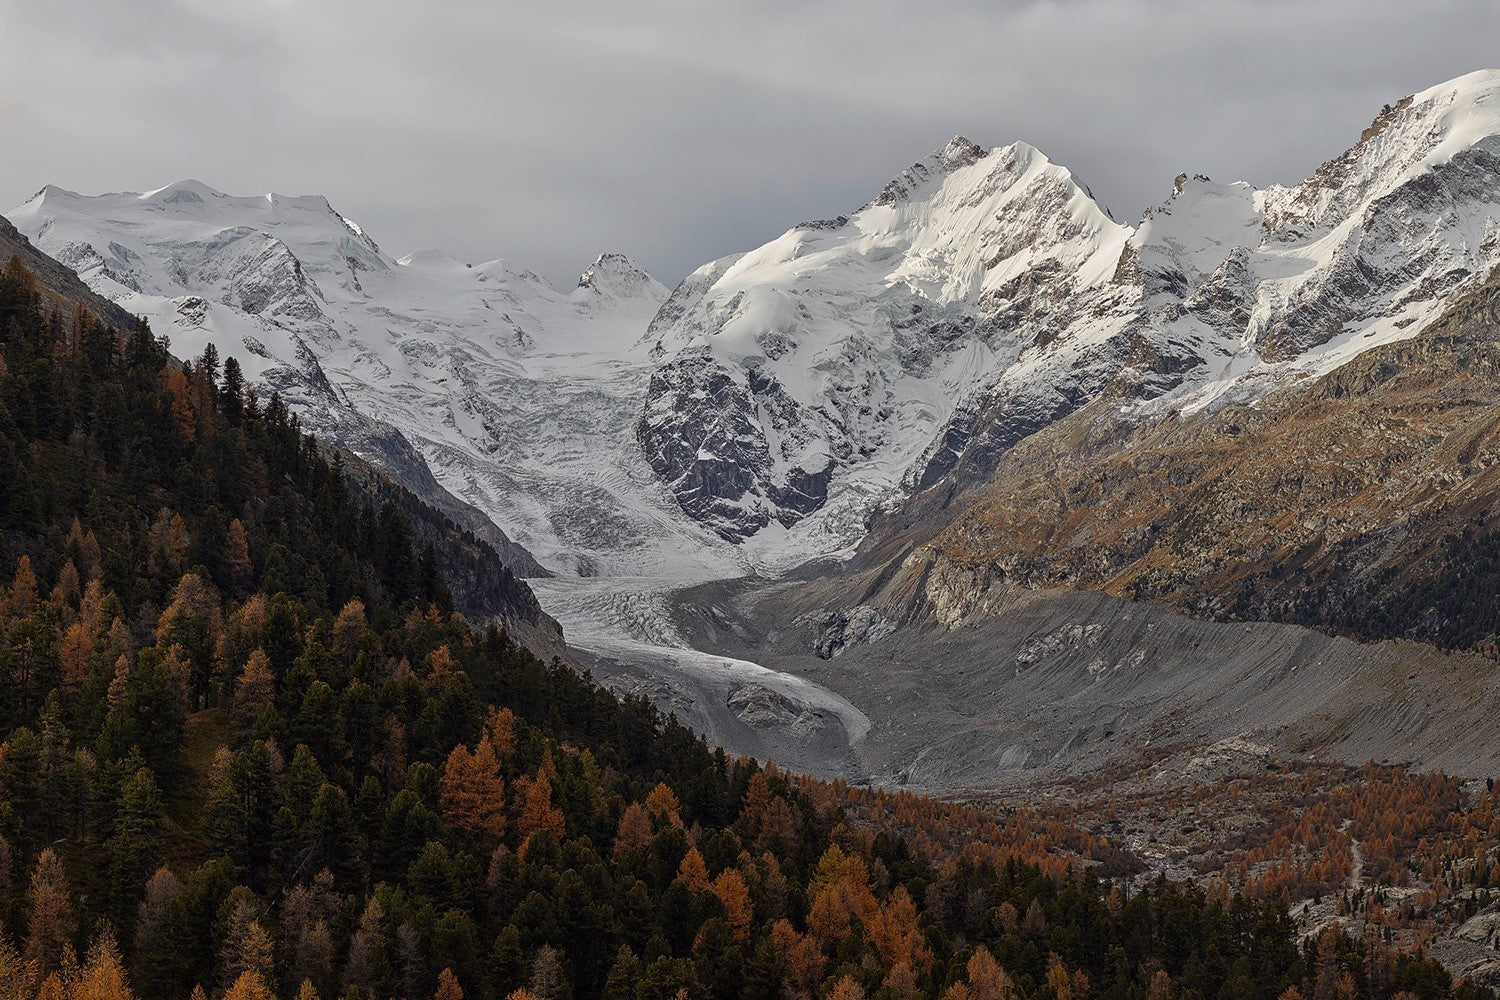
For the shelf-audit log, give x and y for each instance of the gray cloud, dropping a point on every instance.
(680, 130)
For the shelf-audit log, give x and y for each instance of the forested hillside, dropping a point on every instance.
(250, 750)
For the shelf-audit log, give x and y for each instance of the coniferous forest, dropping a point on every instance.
(251, 750)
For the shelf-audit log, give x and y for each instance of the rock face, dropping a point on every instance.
(855, 626)
(700, 434)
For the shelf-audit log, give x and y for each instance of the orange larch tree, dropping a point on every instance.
(473, 794)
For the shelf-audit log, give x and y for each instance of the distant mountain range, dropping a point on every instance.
(786, 397)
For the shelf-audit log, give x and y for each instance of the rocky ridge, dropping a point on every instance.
(984, 295)
(1362, 502)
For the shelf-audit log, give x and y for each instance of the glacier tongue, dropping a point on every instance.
(627, 624)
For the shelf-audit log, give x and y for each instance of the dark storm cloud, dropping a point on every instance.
(680, 130)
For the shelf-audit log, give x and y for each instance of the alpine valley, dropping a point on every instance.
(994, 599)
(974, 457)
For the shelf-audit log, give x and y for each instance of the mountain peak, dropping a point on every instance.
(960, 152)
(1473, 85)
(184, 192)
(957, 153)
(431, 258)
(49, 191)
(1460, 114)
(1425, 131)
(1005, 165)
(616, 275)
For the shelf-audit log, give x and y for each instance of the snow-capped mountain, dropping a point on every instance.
(1295, 280)
(776, 399)
(984, 294)
(501, 385)
(813, 373)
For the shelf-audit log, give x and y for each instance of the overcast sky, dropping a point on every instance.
(680, 130)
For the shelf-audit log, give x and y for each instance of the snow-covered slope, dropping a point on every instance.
(1367, 250)
(984, 294)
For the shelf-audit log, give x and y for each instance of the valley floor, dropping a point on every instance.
(1081, 710)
